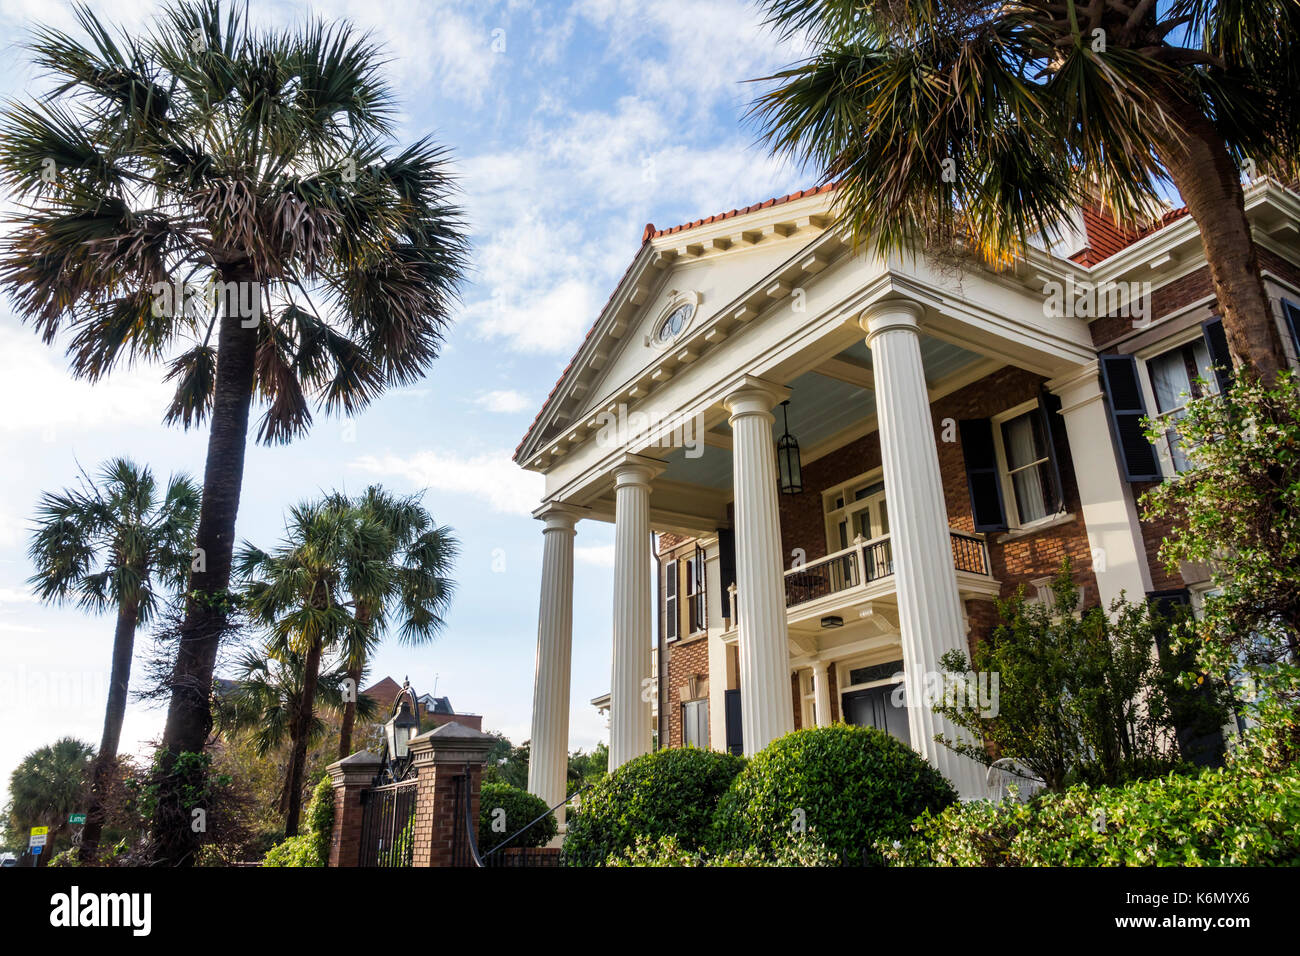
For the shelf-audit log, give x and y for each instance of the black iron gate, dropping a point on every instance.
(388, 824)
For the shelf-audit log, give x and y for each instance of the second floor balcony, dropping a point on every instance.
(863, 573)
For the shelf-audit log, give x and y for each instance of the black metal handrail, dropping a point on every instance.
(480, 860)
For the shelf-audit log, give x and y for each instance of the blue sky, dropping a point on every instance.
(573, 125)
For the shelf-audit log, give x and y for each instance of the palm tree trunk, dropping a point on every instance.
(189, 716)
(355, 670)
(1210, 183)
(128, 615)
(302, 728)
(349, 713)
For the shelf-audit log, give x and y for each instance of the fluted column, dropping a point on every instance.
(822, 692)
(629, 706)
(929, 606)
(766, 710)
(548, 763)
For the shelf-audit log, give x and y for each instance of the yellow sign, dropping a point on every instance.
(40, 831)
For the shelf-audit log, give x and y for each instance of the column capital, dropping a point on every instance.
(631, 470)
(891, 314)
(1077, 387)
(752, 395)
(560, 515)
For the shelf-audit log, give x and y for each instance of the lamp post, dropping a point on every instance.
(398, 732)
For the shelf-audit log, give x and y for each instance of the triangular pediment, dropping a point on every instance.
(699, 278)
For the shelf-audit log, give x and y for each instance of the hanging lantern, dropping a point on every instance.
(787, 458)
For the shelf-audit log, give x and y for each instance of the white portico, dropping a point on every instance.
(664, 422)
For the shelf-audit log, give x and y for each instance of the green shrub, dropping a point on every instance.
(665, 793)
(520, 806)
(297, 850)
(853, 786)
(320, 818)
(312, 846)
(1219, 818)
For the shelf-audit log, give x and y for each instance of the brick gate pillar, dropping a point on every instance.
(441, 756)
(350, 776)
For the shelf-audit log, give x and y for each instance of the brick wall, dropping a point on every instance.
(684, 659)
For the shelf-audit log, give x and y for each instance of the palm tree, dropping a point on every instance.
(232, 200)
(264, 703)
(416, 557)
(989, 121)
(48, 785)
(299, 594)
(116, 544)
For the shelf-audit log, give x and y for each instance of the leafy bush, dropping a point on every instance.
(670, 792)
(1081, 696)
(667, 851)
(853, 786)
(312, 846)
(297, 850)
(320, 818)
(520, 806)
(1219, 818)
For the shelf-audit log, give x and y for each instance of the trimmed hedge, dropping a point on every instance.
(520, 806)
(851, 786)
(1219, 818)
(665, 793)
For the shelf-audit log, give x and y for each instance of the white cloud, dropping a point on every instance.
(491, 476)
(16, 596)
(505, 401)
(38, 395)
(560, 217)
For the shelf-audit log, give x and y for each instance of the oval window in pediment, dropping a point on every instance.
(675, 322)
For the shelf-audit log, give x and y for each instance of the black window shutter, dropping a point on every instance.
(1119, 376)
(1216, 340)
(1291, 312)
(1049, 407)
(672, 616)
(726, 567)
(735, 738)
(982, 477)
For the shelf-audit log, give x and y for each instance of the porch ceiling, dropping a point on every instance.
(824, 403)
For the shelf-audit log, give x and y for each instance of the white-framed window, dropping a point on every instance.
(1039, 591)
(1025, 465)
(695, 723)
(1175, 376)
(856, 508)
(696, 595)
(862, 673)
(807, 699)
